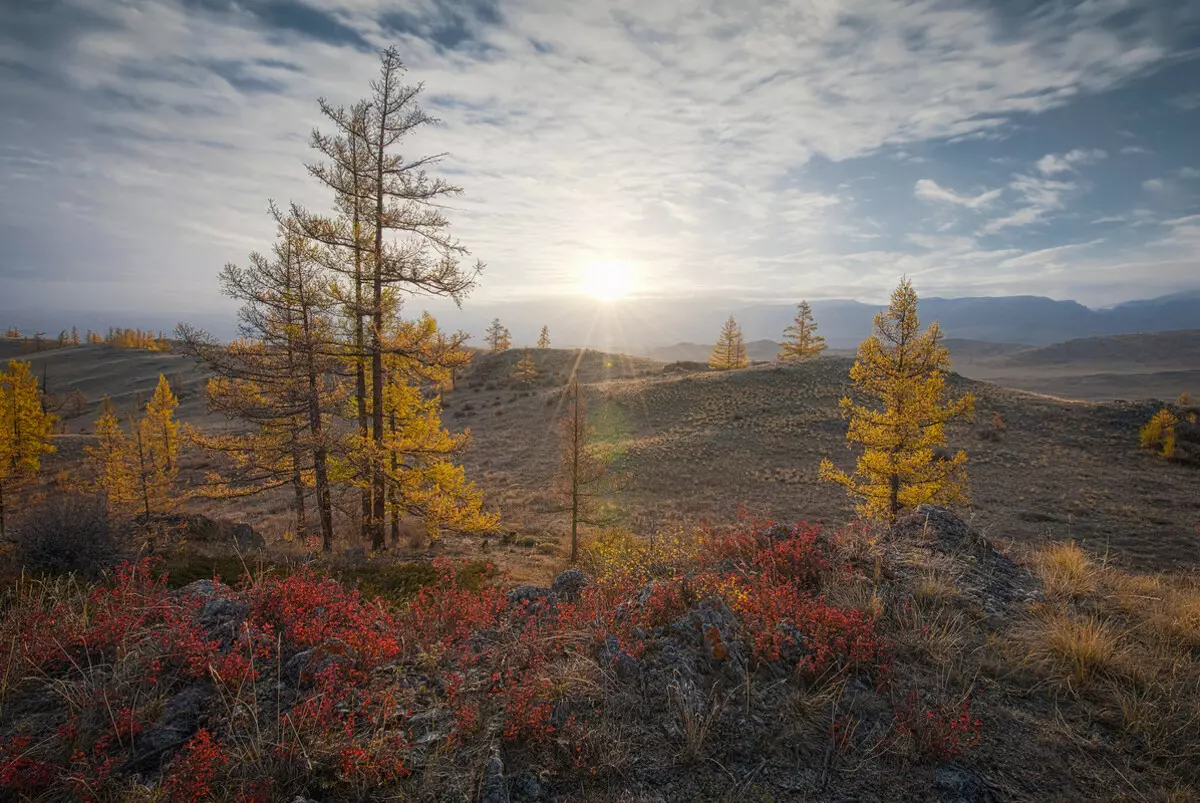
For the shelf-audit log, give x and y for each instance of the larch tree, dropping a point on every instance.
(276, 377)
(349, 236)
(421, 478)
(730, 350)
(1158, 433)
(525, 371)
(158, 433)
(110, 464)
(904, 369)
(544, 338)
(411, 249)
(583, 478)
(498, 337)
(25, 430)
(800, 340)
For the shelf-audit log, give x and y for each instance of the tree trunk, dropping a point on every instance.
(2, 530)
(377, 488)
(142, 469)
(393, 499)
(360, 371)
(298, 487)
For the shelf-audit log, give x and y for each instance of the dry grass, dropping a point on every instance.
(1066, 570)
(1073, 651)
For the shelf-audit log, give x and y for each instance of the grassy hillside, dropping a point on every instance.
(698, 445)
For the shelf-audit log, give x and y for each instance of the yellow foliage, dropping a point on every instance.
(730, 351)
(615, 553)
(904, 369)
(800, 339)
(1159, 433)
(111, 464)
(24, 430)
(525, 371)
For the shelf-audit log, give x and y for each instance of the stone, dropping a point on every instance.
(569, 585)
(530, 594)
(957, 785)
(527, 787)
(180, 719)
(222, 620)
(493, 789)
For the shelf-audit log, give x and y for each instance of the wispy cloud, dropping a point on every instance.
(929, 190)
(1051, 163)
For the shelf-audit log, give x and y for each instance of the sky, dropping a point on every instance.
(698, 148)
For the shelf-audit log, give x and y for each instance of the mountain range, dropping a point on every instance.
(644, 326)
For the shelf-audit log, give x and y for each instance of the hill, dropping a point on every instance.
(1157, 365)
(756, 351)
(699, 445)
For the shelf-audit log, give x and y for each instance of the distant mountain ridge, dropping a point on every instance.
(642, 325)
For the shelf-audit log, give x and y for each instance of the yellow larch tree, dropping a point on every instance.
(159, 435)
(415, 459)
(498, 337)
(110, 462)
(800, 340)
(904, 369)
(730, 351)
(1159, 433)
(544, 338)
(25, 430)
(526, 371)
(583, 477)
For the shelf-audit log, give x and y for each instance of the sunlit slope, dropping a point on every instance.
(698, 445)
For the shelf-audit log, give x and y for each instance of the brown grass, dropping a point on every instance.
(1073, 651)
(1066, 571)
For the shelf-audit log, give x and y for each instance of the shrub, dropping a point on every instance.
(1074, 650)
(67, 534)
(1159, 433)
(939, 731)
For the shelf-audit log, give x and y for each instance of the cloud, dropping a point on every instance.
(1050, 164)
(1040, 196)
(684, 138)
(1153, 185)
(929, 190)
(1135, 150)
(1189, 172)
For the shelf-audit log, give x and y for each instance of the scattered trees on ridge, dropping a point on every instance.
(730, 350)
(904, 369)
(800, 340)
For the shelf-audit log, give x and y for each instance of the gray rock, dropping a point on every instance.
(180, 719)
(492, 789)
(302, 668)
(527, 787)
(203, 588)
(569, 585)
(222, 620)
(202, 529)
(957, 785)
(530, 594)
(612, 655)
(355, 555)
(776, 532)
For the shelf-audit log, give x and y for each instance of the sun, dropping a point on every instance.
(608, 280)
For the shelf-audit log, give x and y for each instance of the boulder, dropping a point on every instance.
(179, 721)
(222, 620)
(493, 789)
(569, 585)
(205, 530)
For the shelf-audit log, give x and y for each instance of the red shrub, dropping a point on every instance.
(192, 773)
(943, 730)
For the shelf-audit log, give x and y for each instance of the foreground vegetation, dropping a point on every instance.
(762, 662)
